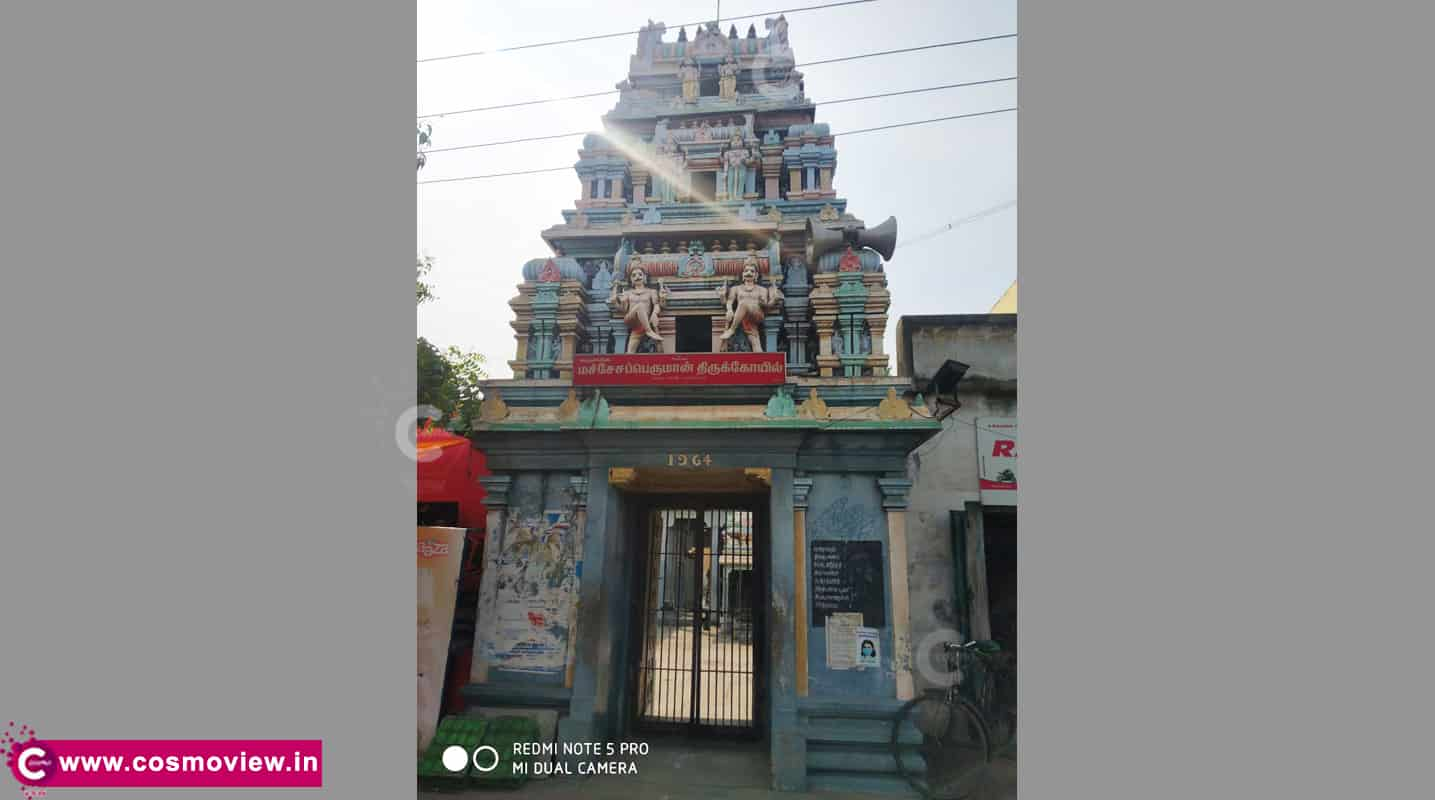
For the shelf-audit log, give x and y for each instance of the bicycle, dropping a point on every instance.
(942, 741)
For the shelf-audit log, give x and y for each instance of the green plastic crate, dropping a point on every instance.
(501, 734)
(462, 731)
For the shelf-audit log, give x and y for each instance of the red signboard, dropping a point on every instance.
(680, 369)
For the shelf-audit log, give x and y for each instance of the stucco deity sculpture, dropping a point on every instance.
(662, 179)
(690, 74)
(778, 29)
(735, 162)
(649, 37)
(727, 79)
(670, 174)
(639, 304)
(746, 305)
(777, 45)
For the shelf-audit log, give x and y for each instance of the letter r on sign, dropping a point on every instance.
(1003, 449)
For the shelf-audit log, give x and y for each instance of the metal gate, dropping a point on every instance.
(700, 619)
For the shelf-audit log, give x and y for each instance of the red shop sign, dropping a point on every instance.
(680, 369)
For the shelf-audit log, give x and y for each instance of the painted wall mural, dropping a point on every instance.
(538, 570)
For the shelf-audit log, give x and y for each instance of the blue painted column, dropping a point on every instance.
(770, 328)
(789, 746)
(580, 724)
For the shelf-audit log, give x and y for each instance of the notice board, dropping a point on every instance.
(847, 578)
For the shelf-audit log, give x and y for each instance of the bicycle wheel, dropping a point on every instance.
(942, 748)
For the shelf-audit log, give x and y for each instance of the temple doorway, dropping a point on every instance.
(699, 623)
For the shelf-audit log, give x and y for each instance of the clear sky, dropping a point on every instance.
(480, 233)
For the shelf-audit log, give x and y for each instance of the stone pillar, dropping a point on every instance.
(579, 487)
(976, 557)
(582, 723)
(796, 346)
(800, 488)
(570, 346)
(496, 501)
(668, 329)
(772, 171)
(789, 745)
(640, 186)
(877, 326)
(794, 181)
(826, 179)
(825, 325)
(894, 502)
(770, 328)
(587, 184)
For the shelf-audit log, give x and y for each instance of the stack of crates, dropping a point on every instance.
(501, 734)
(464, 732)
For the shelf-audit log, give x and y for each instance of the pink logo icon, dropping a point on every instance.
(31, 761)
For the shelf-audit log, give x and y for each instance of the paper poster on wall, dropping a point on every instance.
(537, 585)
(439, 554)
(996, 456)
(842, 640)
(867, 648)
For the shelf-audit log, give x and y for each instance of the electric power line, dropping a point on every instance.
(631, 32)
(848, 133)
(806, 64)
(957, 223)
(820, 103)
(925, 121)
(905, 50)
(498, 175)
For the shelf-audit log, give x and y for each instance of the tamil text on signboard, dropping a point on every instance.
(847, 577)
(680, 369)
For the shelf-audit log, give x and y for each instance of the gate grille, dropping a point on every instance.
(698, 665)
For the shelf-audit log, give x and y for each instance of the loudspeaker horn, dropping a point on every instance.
(882, 238)
(821, 241)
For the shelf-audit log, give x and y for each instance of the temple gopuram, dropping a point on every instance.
(697, 511)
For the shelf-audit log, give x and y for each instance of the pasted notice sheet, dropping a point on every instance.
(842, 640)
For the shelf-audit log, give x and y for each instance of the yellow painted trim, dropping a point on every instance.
(901, 640)
(1007, 303)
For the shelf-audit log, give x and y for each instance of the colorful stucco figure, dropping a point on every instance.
(747, 305)
(640, 305)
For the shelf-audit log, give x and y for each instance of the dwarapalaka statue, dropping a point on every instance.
(639, 304)
(747, 305)
(735, 162)
(690, 73)
(727, 79)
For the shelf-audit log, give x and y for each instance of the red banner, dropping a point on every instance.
(680, 369)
